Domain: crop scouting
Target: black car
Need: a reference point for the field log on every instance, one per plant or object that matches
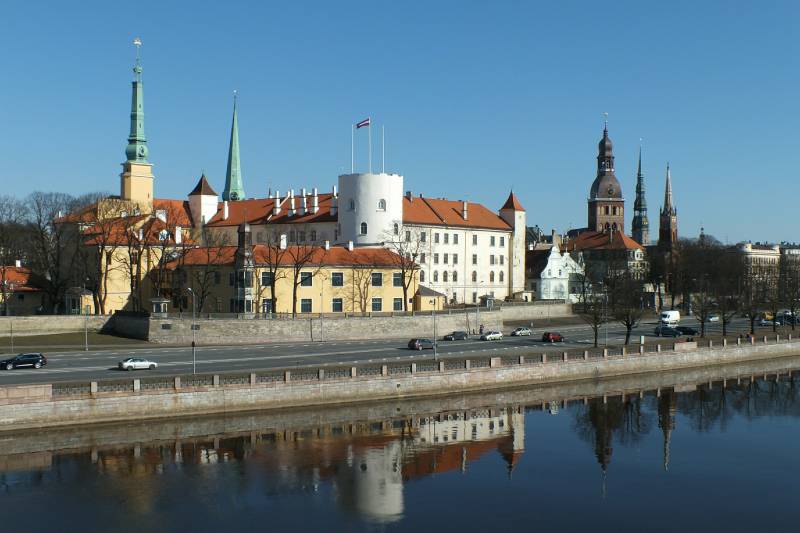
(420, 344)
(33, 360)
(666, 331)
(456, 336)
(686, 330)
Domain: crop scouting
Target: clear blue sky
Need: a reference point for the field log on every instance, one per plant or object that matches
(477, 97)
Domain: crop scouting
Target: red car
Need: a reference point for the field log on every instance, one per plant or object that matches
(550, 336)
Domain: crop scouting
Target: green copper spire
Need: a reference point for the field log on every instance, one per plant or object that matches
(137, 143)
(234, 186)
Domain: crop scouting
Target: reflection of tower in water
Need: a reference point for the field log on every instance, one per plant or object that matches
(666, 421)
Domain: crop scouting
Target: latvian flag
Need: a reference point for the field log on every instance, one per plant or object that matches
(363, 123)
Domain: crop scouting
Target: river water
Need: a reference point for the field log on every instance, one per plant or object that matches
(721, 456)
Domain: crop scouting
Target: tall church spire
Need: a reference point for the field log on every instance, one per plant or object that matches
(137, 143)
(668, 221)
(640, 228)
(234, 186)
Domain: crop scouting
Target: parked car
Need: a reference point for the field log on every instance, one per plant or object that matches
(32, 360)
(686, 330)
(456, 336)
(522, 332)
(492, 336)
(766, 322)
(137, 363)
(713, 317)
(551, 336)
(420, 344)
(666, 331)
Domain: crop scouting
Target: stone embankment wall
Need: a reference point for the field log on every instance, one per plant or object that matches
(48, 324)
(174, 330)
(48, 405)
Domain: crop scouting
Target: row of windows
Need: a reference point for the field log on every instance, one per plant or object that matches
(245, 279)
(351, 206)
(445, 238)
(446, 276)
(337, 305)
(493, 260)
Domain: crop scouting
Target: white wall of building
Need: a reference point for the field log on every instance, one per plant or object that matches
(372, 199)
(560, 278)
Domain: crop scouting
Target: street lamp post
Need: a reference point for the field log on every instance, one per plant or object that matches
(435, 354)
(194, 354)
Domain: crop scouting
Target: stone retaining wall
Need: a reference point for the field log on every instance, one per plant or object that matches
(129, 401)
(47, 324)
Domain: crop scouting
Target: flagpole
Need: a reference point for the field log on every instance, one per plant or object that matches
(369, 132)
(352, 148)
(383, 151)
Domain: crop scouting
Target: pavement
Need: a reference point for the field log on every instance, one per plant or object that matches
(101, 363)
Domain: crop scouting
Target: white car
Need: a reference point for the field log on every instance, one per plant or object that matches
(713, 318)
(520, 332)
(137, 363)
(491, 336)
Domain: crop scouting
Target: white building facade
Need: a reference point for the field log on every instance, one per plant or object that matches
(554, 275)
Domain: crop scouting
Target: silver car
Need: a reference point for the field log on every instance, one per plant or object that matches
(137, 363)
(519, 332)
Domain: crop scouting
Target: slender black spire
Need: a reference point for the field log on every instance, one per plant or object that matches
(640, 227)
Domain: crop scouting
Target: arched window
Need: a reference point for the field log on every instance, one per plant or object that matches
(614, 210)
(491, 277)
(605, 209)
(607, 226)
(474, 276)
(397, 229)
(435, 276)
(444, 276)
(501, 276)
(614, 226)
(422, 276)
(352, 205)
(455, 276)
(363, 228)
(381, 205)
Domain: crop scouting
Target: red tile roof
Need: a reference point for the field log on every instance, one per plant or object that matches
(20, 277)
(203, 188)
(440, 212)
(596, 240)
(513, 203)
(259, 211)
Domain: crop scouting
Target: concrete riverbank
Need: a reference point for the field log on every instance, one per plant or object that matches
(52, 405)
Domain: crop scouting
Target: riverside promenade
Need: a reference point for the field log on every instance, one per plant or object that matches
(62, 404)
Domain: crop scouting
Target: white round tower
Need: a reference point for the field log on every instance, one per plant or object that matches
(369, 206)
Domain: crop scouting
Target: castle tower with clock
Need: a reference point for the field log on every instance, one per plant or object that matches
(606, 204)
(136, 180)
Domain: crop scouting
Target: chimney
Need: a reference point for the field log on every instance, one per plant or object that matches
(18, 262)
(178, 235)
(283, 241)
(335, 192)
(225, 210)
(350, 245)
(464, 210)
(276, 204)
(303, 191)
(420, 195)
(314, 201)
(334, 206)
(304, 207)
(327, 245)
(409, 196)
(141, 234)
(292, 210)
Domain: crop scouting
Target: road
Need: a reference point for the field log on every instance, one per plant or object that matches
(102, 364)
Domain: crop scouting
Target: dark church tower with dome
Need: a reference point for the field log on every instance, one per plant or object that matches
(606, 205)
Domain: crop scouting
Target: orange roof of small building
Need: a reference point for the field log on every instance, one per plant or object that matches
(601, 240)
(263, 254)
(259, 211)
(441, 212)
(18, 279)
(177, 211)
(203, 188)
(513, 203)
(122, 231)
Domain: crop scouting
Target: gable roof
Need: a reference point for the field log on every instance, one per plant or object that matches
(597, 240)
(259, 211)
(441, 212)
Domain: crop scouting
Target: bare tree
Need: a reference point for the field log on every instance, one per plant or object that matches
(12, 240)
(626, 295)
(301, 257)
(362, 287)
(790, 285)
(272, 265)
(407, 244)
(209, 272)
(102, 236)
